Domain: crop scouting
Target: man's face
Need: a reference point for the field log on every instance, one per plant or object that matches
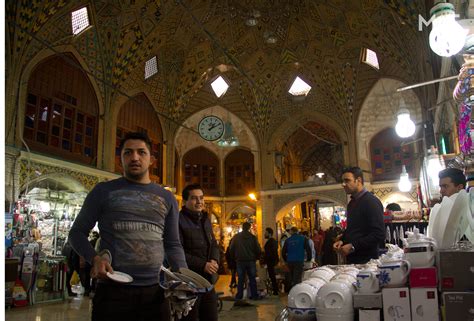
(136, 159)
(351, 185)
(195, 201)
(447, 187)
(267, 235)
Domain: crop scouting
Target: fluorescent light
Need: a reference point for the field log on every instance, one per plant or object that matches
(219, 86)
(80, 20)
(369, 57)
(299, 87)
(151, 67)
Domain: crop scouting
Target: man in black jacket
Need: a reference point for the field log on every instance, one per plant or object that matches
(365, 227)
(201, 249)
(271, 257)
(246, 250)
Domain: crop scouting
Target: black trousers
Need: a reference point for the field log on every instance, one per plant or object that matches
(271, 274)
(117, 302)
(296, 272)
(205, 308)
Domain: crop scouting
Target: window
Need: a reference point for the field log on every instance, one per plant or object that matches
(80, 20)
(200, 166)
(151, 67)
(239, 174)
(55, 124)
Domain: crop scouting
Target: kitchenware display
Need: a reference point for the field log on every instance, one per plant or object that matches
(302, 295)
(419, 250)
(393, 271)
(368, 281)
(120, 277)
(302, 314)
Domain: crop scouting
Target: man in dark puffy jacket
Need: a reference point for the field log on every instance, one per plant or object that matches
(200, 248)
(246, 250)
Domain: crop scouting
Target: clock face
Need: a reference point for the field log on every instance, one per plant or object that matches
(211, 128)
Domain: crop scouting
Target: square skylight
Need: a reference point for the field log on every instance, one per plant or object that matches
(219, 86)
(151, 67)
(299, 87)
(80, 20)
(369, 57)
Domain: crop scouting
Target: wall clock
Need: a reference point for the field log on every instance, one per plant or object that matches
(211, 128)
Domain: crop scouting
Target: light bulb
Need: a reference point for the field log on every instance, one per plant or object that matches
(433, 168)
(447, 37)
(404, 185)
(405, 127)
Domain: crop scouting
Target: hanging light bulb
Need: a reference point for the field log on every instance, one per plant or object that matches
(434, 165)
(447, 37)
(405, 127)
(404, 185)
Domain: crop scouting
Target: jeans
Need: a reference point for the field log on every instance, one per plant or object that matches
(296, 272)
(117, 302)
(248, 268)
(205, 308)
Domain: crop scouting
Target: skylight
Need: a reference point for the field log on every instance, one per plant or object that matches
(80, 20)
(369, 57)
(299, 88)
(219, 86)
(151, 67)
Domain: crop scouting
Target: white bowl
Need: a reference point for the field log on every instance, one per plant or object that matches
(315, 283)
(323, 273)
(335, 298)
(302, 296)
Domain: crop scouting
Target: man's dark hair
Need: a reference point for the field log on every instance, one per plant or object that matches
(457, 176)
(356, 171)
(269, 230)
(246, 226)
(189, 188)
(305, 233)
(135, 135)
(394, 207)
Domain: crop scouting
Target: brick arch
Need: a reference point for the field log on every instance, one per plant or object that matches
(379, 111)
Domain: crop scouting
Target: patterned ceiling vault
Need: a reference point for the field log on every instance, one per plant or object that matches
(318, 40)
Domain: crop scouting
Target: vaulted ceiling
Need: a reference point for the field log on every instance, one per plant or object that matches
(195, 40)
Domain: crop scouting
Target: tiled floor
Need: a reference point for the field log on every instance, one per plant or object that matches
(78, 309)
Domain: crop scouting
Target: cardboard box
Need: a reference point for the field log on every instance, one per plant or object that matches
(456, 270)
(396, 304)
(367, 301)
(423, 278)
(370, 315)
(424, 304)
(459, 306)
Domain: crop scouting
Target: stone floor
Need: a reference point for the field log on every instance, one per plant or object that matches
(78, 308)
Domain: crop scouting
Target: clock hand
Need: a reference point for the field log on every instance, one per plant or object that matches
(212, 126)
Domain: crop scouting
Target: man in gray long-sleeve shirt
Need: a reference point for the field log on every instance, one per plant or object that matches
(138, 223)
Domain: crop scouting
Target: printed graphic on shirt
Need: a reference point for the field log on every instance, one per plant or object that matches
(138, 224)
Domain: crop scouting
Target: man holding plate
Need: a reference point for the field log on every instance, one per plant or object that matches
(138, 223)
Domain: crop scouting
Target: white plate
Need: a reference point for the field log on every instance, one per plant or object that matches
(457, 221)
(433, 214)
(441, 218)
(199, 280)
(120, 277)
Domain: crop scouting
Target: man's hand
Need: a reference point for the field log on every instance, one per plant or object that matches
(337, 246)
(345, 249)
(211, 267)
(100, 267)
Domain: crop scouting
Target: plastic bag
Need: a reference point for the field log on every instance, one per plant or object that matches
(75, 280)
